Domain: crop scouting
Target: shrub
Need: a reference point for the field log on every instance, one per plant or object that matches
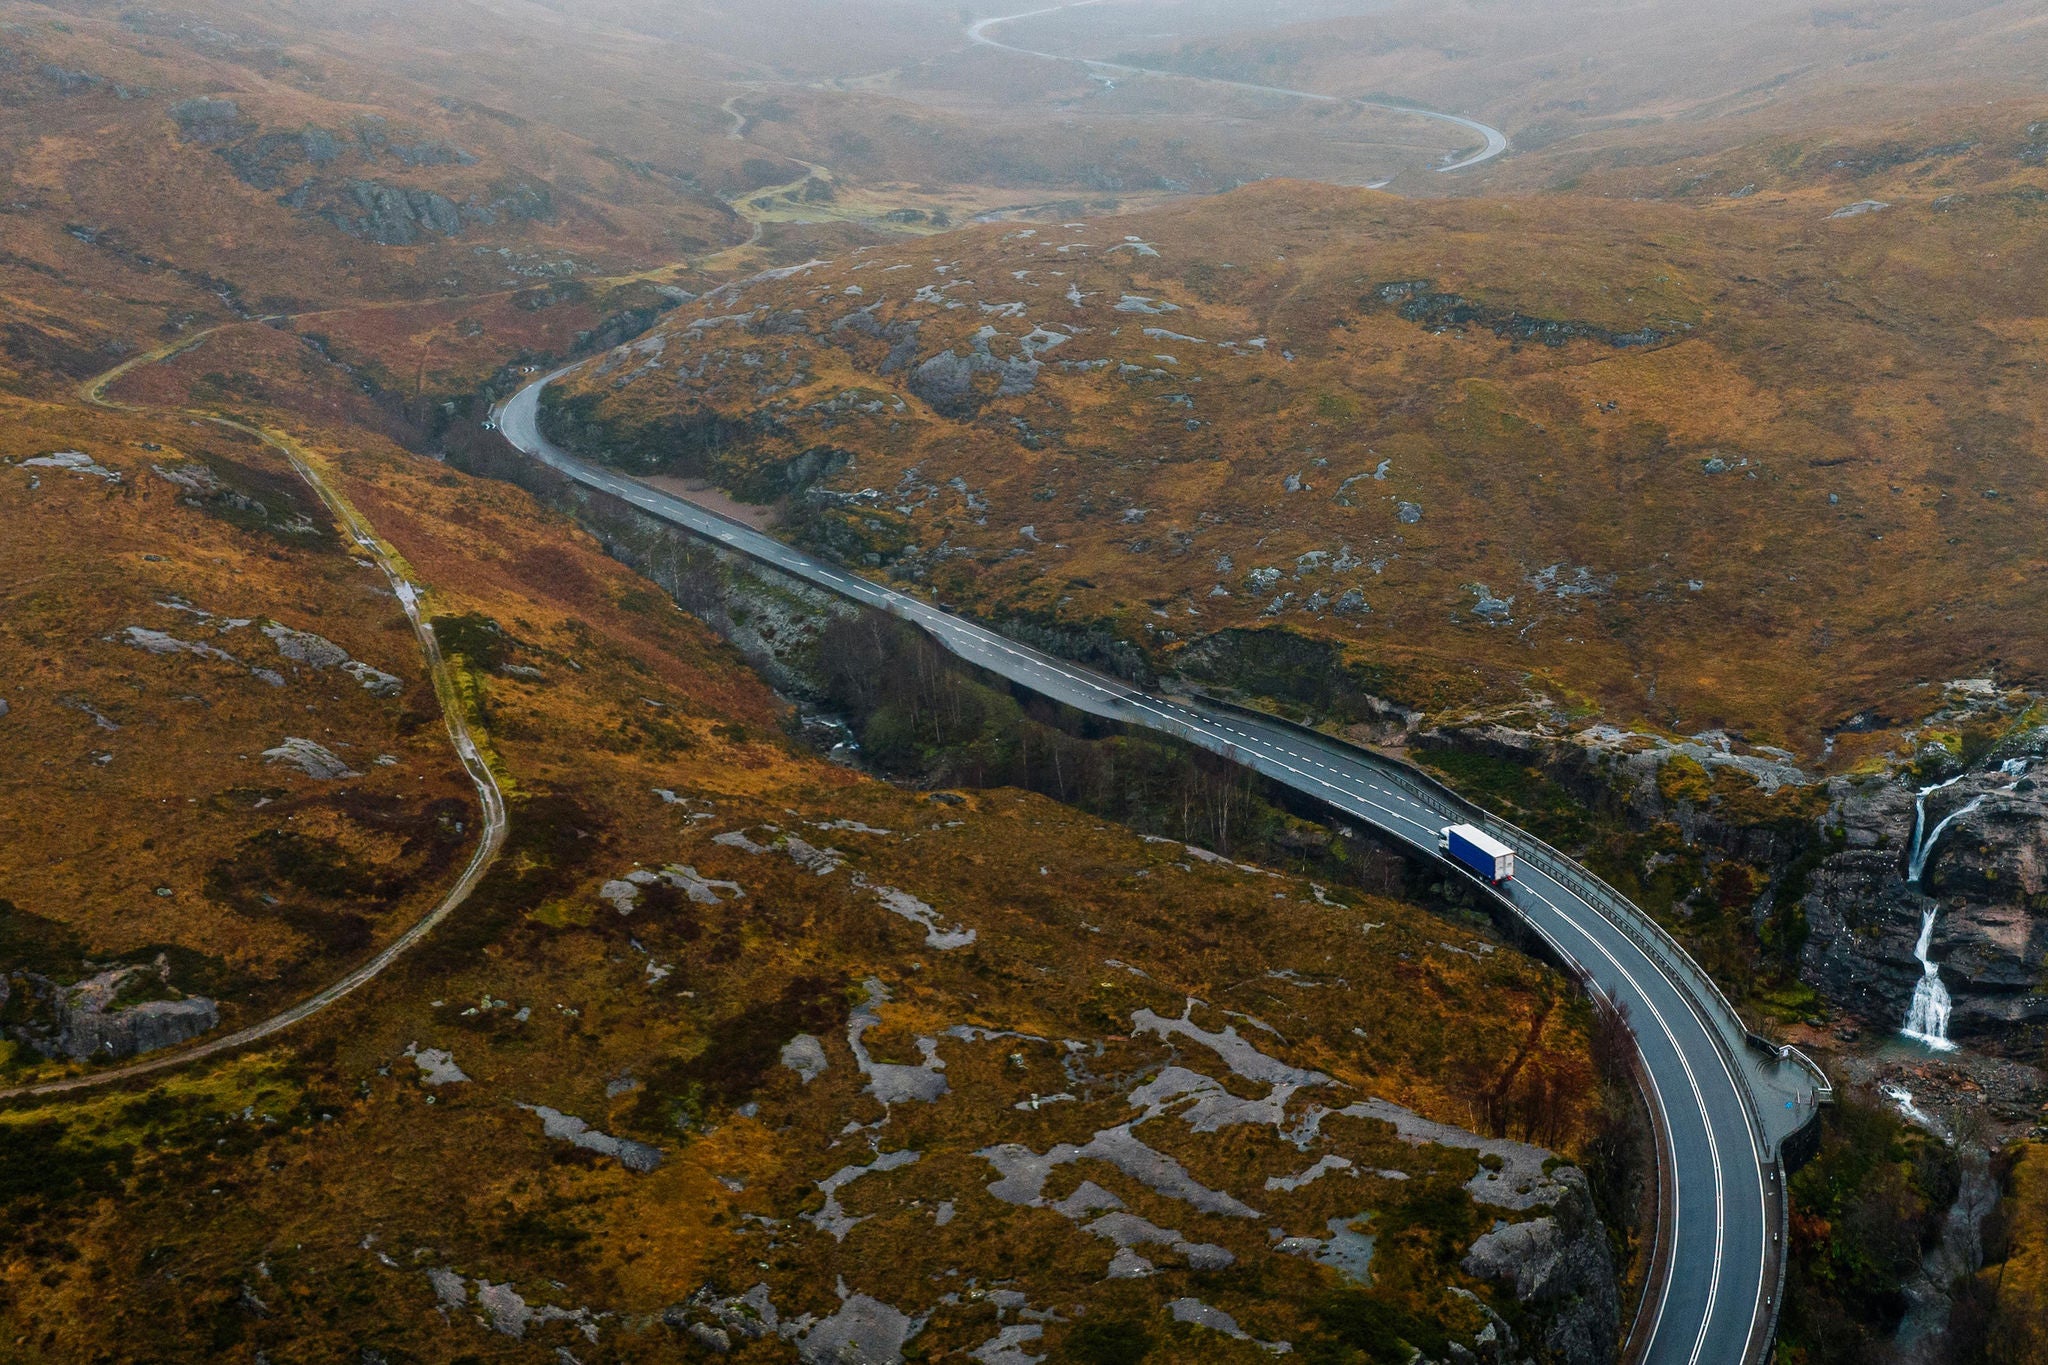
(1108, 1341)
(1384, 1332)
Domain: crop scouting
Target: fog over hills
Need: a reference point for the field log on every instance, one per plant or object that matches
(1129, 681)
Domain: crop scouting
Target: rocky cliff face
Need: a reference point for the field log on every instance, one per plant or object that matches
(1985, 878)
(1559, 1268)
(312, 167)
(1823, 868)
(140, 1028)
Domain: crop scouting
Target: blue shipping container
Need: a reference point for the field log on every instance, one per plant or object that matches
(1474, 848)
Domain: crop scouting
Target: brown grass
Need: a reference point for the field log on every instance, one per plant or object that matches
(635, 695)
(1855, 383)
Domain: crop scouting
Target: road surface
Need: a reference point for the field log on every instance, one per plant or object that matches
(1721, 1108)
(1494, 141)
(489, 795)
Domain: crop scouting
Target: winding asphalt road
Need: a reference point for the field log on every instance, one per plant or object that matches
(1494, 141)
(1709, 1090)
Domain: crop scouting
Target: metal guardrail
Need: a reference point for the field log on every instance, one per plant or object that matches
(1655, 941)
(1778, 1198)
(1644, 931)
(1823, 1088)
(1603, 900)
(1612, 906)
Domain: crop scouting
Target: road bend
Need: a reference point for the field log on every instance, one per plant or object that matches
(1714, 1305)
(490, 797)
(1493, 142)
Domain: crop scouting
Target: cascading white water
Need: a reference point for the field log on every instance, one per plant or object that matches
(1920, 822)
(1927, 1016)
(1922, 848)
(1903, 1098)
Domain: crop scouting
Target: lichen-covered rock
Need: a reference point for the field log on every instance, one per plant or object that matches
(375, 681)
(511, 1314)
(865, 1331)
(314, 760)
(89, 1024)
(946, 380)
(161, 642)
(304, 647)
(803, 1054)
(1561, 1270)
(748, 1316)
(638, 1157)
(140, 1028)
(75, 462)
(437, 1066)
(389, 215)
(208, 121)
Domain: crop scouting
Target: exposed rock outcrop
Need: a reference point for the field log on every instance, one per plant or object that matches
(314, 760)
(317, 652)
(864, 1330)
(91, 1021)
(1986, 878)
(209, 122)
(1420, 301)
(1559, 1267)
(638, 1157)
(304, 647)
(389, 215)
(375, 681)
(334, 175)
(946, 380)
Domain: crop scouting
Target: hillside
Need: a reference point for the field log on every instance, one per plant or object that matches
(166, 174)
(229, 161)
(1669, 486)
(192, 661)
(1585, 85)
(1677, 462)
(713, 981)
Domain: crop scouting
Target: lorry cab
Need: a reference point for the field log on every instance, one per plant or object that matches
(1477, 852)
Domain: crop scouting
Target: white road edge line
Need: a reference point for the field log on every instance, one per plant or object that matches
(1260, 751)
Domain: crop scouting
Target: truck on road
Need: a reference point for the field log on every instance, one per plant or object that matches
(1476, 850)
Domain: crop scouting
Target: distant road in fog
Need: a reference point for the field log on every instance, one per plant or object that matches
(1496, 142)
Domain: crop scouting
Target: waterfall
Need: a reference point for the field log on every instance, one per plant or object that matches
(1903, 1098)
(1927, 1016)
(1924, 847)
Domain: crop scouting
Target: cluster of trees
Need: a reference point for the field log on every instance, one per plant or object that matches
(923, 717)
(1865, 1212)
